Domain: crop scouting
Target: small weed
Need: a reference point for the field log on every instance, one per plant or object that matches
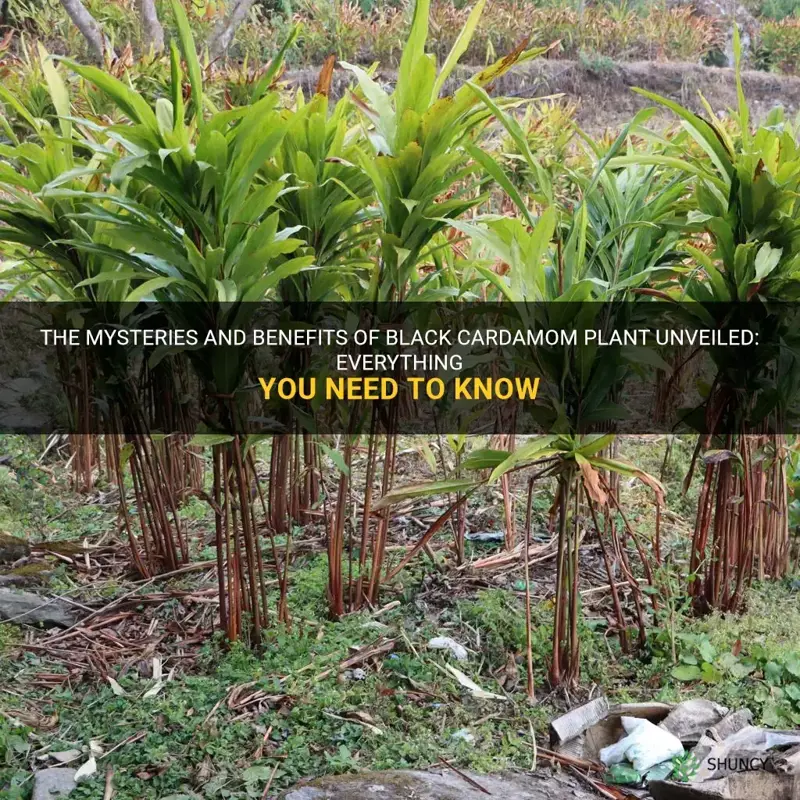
(596, 64)
(749, 661)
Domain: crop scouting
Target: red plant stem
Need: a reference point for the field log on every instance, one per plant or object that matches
(612, 581)
(220, 543)
(528, 626)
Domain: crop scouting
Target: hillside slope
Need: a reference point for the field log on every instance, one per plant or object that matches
(605, 96)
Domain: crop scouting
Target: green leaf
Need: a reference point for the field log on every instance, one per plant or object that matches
(744, 111)
(593, 443)
(459, 46)
(485, 459)
(707, 650)
(773, 673)
(176, 81)
(275, 64)
(335, 456)
(58, 92)
(772, 714)
(424, 449)
(493, 169)
(189, 56)
(710, 673)
(793, 665)
(271, 281)
(530, 452)
(129, 101)
(109, 275)
(741, 670)
(209, 439)
(686, 672)
(384, 115)
(624, 468)
(148, 287)
(767, 258)
(413, 51)
(183, 796)
(256, 774)
(125, 453)
(416, 490)
(793, 691)
(701, 131)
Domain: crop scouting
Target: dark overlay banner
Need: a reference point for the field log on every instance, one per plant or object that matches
(644, 366)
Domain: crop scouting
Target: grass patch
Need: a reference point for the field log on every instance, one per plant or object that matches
(750, 660)
(192, 739)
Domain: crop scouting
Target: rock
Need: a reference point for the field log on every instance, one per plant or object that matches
(12, 549)
(690, 719)
(14, 580)
(757, 785)
(440, 785)
(31, 574)
(54, 782)
(33, 609)
(731, 724)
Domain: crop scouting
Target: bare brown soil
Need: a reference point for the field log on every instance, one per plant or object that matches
(605, 96)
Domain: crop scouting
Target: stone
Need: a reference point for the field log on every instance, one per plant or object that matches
(14, 580)
(12, 549)
(49, 784)
(35, 573)
(690, 719)
(441, 784)
(20, 580)
(756, 785)
(731, 724)
(33, 609)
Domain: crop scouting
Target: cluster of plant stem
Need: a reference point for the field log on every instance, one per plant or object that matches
(195, 211)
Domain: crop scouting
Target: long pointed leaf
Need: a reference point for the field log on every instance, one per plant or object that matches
(190, 57)
(459, 46)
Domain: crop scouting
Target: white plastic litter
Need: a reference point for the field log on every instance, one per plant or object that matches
(644, 746)
(469, 684)
(446, 643)
(86, 770)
